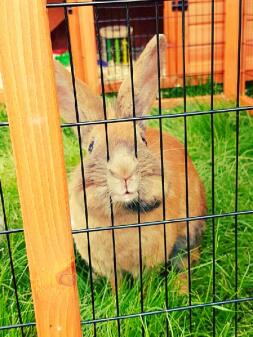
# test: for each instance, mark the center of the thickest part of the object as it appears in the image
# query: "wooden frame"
(33, 110)
(84, 49)
(231, 49)
(84, 52)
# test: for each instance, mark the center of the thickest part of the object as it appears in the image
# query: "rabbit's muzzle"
(123, 177)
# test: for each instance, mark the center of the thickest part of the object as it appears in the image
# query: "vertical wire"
(121, 69)
(186, 165)
(14, 280)
(82, 164)
(162, 161)
(213, 165)
(136, 155)
(237, 159)
(108, 158)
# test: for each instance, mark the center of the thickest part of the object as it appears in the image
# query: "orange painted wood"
(231, 47)
(167, 82)
(88, 46)
(180, 43)
(247, 101)
(247, 49)
(198, 45)
(200, 60)
(170, 31)
(2, 97)
(76, 44)
(56, 16)
(169, 103)
(200, 34)
(27, 67)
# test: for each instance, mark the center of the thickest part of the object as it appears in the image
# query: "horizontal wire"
(148, 18)
(170, 221)
(12, 231)
(113, 3)
(151, 117)
(145, 224)
(144, 314)
(17, 326)
(106, 3)
(164, 311)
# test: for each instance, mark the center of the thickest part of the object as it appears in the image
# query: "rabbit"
(130, 182)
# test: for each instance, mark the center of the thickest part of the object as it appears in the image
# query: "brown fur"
(141, 176)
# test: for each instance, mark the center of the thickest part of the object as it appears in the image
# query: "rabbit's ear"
(89, 105)
(145, 80)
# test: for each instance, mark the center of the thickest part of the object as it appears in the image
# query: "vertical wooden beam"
(231, 47)
(30, 93)
(170, 31)
(247, 101)
(2, 99)
(180, 60)
(245, 10)
(56, 16)
(174, 34)
(75, 37)
(88, 45)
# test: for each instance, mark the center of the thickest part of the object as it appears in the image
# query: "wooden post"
(56, 16)
(2, 99)
(88, 45)
(83, 42)
(231, 47)
(174, 34)
(75, 36)
(245, 16)
(30, 92)
(180, 60)
(170, 31)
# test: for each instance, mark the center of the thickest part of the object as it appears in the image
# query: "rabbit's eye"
(90, 148)
(144, 140)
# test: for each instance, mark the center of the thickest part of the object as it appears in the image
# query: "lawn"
(199, 146)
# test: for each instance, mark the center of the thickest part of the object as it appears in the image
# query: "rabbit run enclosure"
(154, 184)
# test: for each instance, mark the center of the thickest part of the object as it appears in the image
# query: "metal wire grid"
(141, 37)
(185, 115)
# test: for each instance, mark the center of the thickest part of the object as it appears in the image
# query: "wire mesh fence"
(218, 296)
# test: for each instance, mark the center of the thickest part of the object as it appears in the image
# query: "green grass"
(199, 146)
(200, 89)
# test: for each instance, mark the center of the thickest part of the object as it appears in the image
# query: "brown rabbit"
(125, 178)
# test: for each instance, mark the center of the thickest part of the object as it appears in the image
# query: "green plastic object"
(117, 50)
(64, 59)
(109, 49)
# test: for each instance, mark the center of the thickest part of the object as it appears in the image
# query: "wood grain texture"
(76, 43)
(231, 47)
(26, 59)
(56, 16)
(170, 31)
(88, 46)
(247, 101)
(2, 98)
